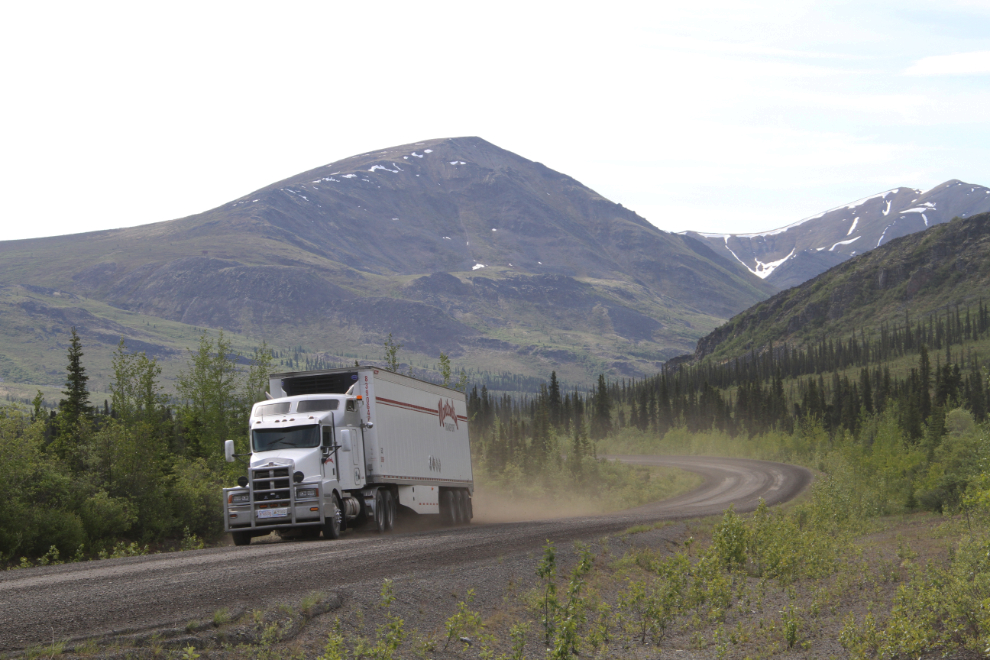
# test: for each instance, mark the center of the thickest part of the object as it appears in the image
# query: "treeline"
(143, 468)
(937, 332)
(537, 432)
(676, 399)
(529, 433)
(838, 402)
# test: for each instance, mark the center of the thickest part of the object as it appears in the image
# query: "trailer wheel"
(464, 506)
(448, 504)
(331, 524)
(380, 515)
(241, 538)
(389, 511)
(458, 509)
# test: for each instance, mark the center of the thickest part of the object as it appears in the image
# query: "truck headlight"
(304, 493)
(239, 498)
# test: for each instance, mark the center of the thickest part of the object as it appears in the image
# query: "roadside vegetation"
(140, 473)
(143, 472)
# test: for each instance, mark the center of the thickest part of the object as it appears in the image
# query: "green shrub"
(729, 540)
(105, 517)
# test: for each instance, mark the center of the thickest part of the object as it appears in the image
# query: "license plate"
(273, 513)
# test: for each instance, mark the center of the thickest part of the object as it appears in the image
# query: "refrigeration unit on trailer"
(340, 448)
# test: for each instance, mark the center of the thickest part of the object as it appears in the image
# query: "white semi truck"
(340, 448)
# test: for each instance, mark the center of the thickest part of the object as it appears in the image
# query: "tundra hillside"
(452, 245)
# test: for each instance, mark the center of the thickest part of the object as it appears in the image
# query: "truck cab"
(307, 455)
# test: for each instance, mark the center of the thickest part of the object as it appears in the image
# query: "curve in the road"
(139, 593)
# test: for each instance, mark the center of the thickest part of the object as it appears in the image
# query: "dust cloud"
(494, 507)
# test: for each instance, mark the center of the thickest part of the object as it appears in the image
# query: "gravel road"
(117, 596)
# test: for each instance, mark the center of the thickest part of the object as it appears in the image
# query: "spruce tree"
(76, 401)
(601, 416)
(555, 402)
(925, 372)
(74, 410)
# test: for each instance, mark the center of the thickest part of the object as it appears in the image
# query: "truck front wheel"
(331, 523)
(241, 538)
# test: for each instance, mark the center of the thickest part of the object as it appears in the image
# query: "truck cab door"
(328, 464)
(350, 467)
(357, 457)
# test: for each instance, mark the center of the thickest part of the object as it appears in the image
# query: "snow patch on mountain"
(883, 234)
(764, 270)
(851, 240)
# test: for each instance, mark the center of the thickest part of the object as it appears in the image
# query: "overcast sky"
(715, 116)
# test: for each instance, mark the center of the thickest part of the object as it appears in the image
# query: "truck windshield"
(316, 405)
(297, 437)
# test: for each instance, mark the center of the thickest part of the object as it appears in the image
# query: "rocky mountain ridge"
(452, 245)
(944, 266)
(793, 254)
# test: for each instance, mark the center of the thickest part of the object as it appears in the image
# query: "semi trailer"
(342, 448)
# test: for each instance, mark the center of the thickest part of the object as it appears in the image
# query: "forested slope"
(945, 266)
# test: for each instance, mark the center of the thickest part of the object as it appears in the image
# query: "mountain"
(452, 245)
(794, 254)
(907, 277)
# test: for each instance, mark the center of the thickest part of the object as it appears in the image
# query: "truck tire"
(241, 538)
(380, 513)
(331, 522)
(464, 506)
(458, 509)
(447, 508)
(389, 511)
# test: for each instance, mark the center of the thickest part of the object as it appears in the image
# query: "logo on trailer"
(448, 417)
(435, 465)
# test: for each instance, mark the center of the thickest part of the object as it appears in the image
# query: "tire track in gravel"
(116, 596)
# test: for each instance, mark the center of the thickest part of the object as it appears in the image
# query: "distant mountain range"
(793, 254)
(452, 245)
(905, 278)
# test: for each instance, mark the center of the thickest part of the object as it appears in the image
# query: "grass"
(639, 529)
(221, 617)
(649, 599)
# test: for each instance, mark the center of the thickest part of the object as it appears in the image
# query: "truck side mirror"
(228, 450)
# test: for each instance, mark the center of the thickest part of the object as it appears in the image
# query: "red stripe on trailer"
(407, 406)
(412, 406)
